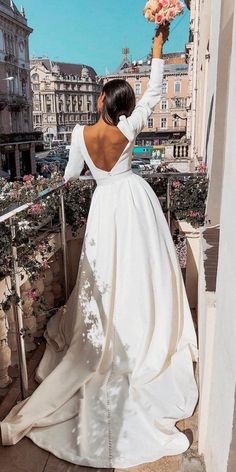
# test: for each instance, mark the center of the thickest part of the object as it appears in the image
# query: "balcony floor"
(25, 456)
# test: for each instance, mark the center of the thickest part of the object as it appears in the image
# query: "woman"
(117, 373)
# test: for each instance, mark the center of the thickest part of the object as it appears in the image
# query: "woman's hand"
(161, 36)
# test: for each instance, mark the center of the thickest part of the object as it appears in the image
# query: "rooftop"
(9, 8)
(175, 64)
(63, 68)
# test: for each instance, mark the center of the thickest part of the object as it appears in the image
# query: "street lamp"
(175, 115)
(9, 78)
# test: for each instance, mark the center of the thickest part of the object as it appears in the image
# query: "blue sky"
(94, 32)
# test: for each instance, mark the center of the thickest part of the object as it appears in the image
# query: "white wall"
(217, 441)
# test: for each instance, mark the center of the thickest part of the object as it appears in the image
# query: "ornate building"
(63, 95)
(168, 121)
(17, 139)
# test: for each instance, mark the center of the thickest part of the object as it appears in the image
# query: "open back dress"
(117, 373)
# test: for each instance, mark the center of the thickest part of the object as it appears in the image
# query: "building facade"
(213, 49)
(168, 121)
(17, 139)
(63, 95)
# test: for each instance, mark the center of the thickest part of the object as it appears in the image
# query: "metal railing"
(10, 215)
(169, 176)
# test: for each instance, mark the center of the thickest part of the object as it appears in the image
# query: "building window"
(48, 108)
(164, 87)
(176, 122)
(138, 88)
(164, 104)
(163, 123)
(35, 87)
(150, 122)
(179, 102)
(177, 86)
(35, 77)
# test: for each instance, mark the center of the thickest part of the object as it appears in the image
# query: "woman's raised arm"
(138, 119)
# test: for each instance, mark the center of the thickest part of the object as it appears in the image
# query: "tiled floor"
(25, 456)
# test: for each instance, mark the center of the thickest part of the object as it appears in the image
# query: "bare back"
(105, 144)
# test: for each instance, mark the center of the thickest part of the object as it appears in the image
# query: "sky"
(93, 32)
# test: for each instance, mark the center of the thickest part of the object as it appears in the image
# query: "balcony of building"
(54, 227)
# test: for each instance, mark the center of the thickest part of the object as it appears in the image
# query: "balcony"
(45, 223)
(14, 138)
(10, 58)
(18, 102)
(3, 100)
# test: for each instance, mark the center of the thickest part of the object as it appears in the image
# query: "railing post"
(168, 200)
(18, 315)
(63, 242)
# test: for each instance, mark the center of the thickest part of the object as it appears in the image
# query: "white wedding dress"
(117, 373)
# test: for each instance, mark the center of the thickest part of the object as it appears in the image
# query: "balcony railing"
(178, 129)
(21, 137)
(178, 193)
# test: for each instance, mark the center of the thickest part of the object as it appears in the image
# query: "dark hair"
(119, 100)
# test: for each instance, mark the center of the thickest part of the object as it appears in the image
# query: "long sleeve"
(76, 161)
(138, 119)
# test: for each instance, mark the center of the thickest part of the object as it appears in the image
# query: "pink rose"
(179, 7)
(152, 5)
(170, 14)
(149, 15)
(159, 6)
(159, 18)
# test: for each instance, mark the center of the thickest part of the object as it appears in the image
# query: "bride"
(117, 373)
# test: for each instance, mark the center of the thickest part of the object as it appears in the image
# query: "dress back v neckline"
(90, 159)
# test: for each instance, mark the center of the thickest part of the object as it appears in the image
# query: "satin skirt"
(117, 373)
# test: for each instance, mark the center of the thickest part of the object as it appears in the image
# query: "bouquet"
(162, 11)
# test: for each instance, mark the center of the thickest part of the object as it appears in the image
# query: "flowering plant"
(162, 11)
(32, 238)
(188, 197)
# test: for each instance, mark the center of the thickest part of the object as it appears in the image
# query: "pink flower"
(28, 178)
(159, 18)
(179, 7)
(162, 10)
(176, 184)
(149, 15)
(170, 14)
(202, 167)
(194, 214)
(32, 294)
(45, 265)
(36, 208)
(40, 247)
